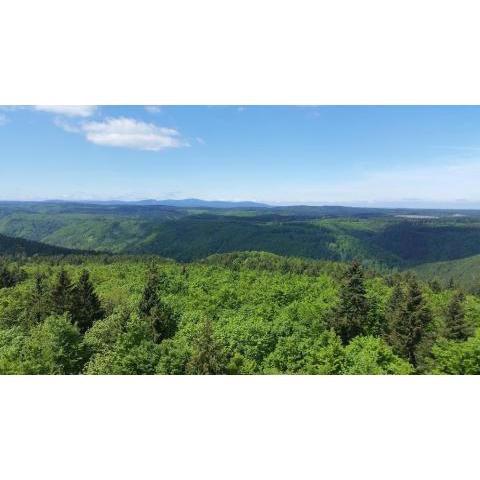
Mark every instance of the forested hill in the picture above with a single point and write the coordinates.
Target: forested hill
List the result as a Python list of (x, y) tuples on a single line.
[(13, 246), (380, 238)]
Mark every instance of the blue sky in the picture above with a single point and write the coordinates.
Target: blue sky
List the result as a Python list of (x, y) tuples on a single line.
[(415, 156)]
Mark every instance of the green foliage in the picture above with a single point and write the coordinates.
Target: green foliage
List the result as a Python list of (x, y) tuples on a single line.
[(149, 296), (175, 356), (38, 302), (53, 347), (159, 316), (456, 358), (456, 327), (19, 247), (410, 324), (244, 313), (351, 316), (12, 342), (372, 356), (9, 277), (104, 333), (206, 358), (378, 237), (61, 300), (296, 355), (86, 308), (133, 353)]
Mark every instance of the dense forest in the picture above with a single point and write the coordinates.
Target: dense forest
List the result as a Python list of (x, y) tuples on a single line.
[(434, 243), (236, 313), (156, 289)]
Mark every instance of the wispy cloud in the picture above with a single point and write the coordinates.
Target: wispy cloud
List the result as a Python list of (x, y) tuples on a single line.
[(3, 119), (83, 111), (68, 126), (313, 111), (130, 133), (153, 109)]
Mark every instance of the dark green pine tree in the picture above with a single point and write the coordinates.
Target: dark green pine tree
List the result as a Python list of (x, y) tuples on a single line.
[(38, 308), (149, 295), (7, 279), (162, 322), (153, 310), (456, 327), (435, 286), (206, 358), (87, 308), (351, 314), (411, 324), (395, 308), (61, 297)]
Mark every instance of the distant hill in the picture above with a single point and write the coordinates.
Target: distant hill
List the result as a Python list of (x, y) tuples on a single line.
[(19, 246), (465, 272), (378, 237), (186, 203), (195, 202)]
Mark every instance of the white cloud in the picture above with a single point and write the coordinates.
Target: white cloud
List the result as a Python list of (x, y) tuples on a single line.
[(3, 119), (153, 109), (68, 110), (130, 133), (67, 126)]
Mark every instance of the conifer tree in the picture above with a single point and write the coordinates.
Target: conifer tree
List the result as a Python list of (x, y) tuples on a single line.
[(149, 295), (352, 313), (38, 303), (456, 328), (62, 294), (162, 322), (7, 279), (158, 314), (435, 286), (395, 307), (86, 304), (411, 323), (206, 356)]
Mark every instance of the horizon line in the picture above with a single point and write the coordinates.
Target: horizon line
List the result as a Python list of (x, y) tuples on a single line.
[(375, 204)]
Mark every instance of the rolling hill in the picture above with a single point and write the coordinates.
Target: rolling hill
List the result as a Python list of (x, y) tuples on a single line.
[(12, 246), (381, 238)]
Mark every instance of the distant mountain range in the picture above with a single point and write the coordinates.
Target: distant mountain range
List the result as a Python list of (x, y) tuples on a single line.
[(186, 203)]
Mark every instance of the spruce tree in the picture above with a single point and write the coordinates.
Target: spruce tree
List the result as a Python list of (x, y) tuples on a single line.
[(411, 324), (352, 312), (162, 322), (395, 307), (62, 294), (456, 328), (206, 356), (149, 295), (153, 310), (435, 286), (7, 279), (38, 303), (86, 304)]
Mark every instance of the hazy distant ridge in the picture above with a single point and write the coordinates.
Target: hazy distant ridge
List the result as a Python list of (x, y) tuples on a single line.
[(187, 202)]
